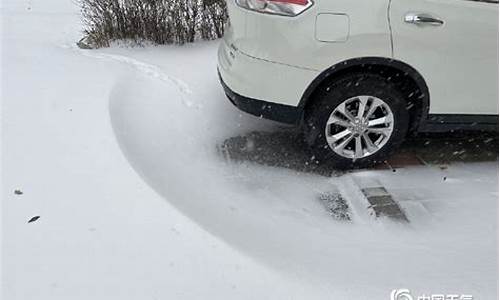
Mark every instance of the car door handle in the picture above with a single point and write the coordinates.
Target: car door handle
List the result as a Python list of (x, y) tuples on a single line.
[(422, 19)]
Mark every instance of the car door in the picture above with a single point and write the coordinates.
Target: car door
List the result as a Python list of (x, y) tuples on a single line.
[(453, 44)]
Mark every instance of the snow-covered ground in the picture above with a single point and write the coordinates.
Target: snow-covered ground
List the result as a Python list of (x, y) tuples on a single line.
[(116, 151)]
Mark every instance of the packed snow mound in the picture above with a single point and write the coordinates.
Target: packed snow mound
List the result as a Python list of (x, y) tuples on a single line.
[(276, 215)]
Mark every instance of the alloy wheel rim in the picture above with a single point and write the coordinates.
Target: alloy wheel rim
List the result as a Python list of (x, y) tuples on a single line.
[(359, 127)]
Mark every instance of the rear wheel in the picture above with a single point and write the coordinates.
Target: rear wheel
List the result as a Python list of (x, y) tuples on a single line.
[(356, 121)]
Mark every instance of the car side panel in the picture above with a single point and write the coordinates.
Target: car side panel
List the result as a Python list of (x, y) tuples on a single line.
[(294, 41), (459, 59)]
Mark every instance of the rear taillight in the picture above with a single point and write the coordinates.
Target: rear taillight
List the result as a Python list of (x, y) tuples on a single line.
[(288, 8)]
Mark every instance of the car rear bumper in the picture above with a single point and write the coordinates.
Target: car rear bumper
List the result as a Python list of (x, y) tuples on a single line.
[(265, 85), (272, 111)]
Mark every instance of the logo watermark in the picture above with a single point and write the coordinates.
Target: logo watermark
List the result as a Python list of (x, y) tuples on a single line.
[(401, 294), (405, 294)]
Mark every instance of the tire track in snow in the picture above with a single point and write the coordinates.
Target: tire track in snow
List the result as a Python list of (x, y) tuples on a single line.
[(147, 69)]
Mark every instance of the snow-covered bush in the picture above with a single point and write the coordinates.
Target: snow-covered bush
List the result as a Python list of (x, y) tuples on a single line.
[(157, 21)]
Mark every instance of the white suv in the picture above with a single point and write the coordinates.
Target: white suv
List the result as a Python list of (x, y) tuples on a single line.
[(359, 75)]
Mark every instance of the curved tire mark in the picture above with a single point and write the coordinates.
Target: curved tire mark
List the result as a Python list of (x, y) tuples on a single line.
[(149, 70)]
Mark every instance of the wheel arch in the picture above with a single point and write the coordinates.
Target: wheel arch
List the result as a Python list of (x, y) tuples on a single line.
[(409, 81)]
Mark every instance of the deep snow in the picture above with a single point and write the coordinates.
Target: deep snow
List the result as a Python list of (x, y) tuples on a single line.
[(116, 150)]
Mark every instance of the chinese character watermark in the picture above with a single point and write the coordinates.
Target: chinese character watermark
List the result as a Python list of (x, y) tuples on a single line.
[(405, 294)]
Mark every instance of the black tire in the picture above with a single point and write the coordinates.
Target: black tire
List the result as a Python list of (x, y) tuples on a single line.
[(331, 95)]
